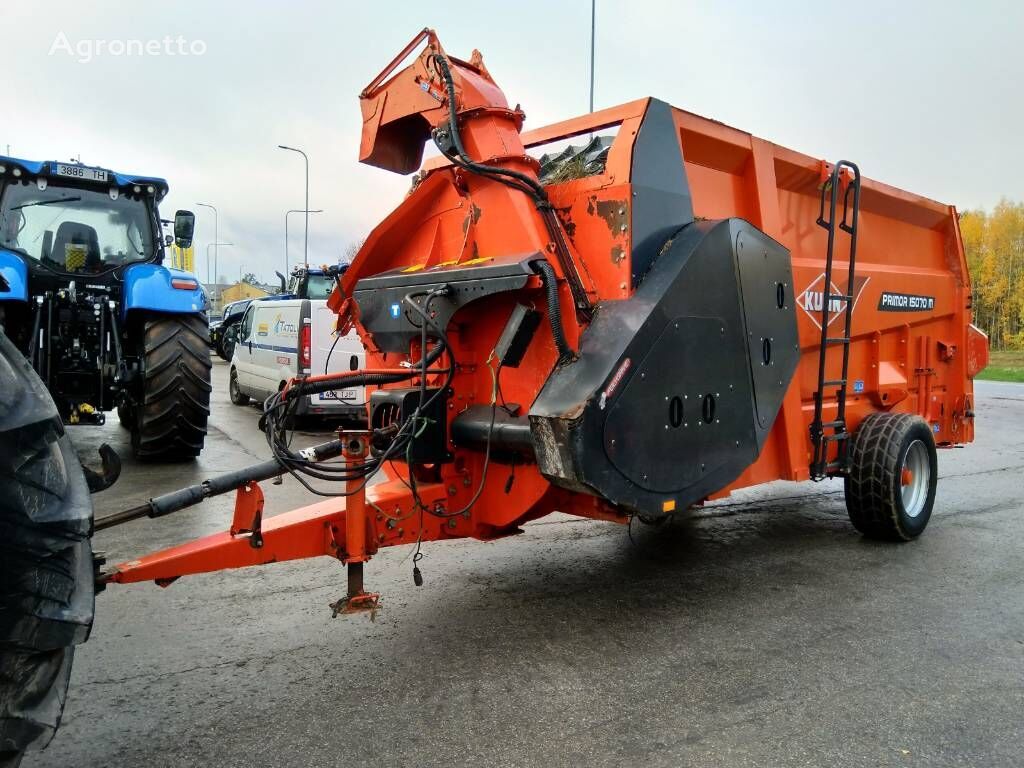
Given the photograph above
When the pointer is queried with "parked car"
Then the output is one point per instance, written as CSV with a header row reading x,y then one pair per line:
x,y
222,337
214,321
279,339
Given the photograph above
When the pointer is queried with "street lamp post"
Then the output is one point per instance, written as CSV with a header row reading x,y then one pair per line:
x,y
307,211
294,210
208,246
216,239
593,26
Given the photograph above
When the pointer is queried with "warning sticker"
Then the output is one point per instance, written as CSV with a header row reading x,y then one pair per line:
x,y
905,302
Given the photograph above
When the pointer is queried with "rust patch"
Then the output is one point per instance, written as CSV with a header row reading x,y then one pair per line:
x,y
475,212
617,254
565,217
615,214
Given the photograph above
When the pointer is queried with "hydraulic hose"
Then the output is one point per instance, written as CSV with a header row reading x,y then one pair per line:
x,y
215,486
516,180
547,276
301,388
538,192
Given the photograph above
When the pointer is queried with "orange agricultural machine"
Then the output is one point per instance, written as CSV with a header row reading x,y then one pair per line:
x,y
627,313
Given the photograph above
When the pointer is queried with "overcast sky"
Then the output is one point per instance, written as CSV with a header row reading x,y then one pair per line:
x,y
923,95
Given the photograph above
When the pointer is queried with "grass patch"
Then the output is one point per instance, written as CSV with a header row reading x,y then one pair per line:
x,y
1004,365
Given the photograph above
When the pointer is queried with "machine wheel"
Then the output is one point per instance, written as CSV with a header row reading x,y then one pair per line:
x,y
170,423
226,347
126,416
238,397
890,489
46,564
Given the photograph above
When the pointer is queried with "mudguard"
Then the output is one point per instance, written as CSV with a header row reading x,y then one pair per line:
x,y
13,277
148,286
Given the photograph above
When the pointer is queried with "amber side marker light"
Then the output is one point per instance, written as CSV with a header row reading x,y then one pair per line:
x,y
183,284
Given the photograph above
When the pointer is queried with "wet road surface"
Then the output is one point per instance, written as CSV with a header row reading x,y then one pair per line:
x,y
762,631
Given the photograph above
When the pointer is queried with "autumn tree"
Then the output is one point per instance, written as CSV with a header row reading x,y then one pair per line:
x,y
994,244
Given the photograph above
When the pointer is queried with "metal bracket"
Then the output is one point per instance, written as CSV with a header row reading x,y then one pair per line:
x,y
248,516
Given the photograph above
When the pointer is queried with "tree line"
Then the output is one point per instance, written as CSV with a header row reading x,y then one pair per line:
x,y
994,244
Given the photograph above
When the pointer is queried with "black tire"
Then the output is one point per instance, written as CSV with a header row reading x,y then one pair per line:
x,y
46,566
126,416
226,348
890,490
170,423
237,396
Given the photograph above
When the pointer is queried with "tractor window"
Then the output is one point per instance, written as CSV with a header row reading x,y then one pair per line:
x,y
319,286
72,229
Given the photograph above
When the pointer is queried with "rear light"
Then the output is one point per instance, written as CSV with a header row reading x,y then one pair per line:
x,y
184,284
305,357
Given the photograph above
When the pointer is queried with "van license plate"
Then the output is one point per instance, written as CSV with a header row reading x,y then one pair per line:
x,y
342,394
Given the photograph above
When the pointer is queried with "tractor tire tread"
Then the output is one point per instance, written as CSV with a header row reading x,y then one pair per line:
x,y
172,417
47,593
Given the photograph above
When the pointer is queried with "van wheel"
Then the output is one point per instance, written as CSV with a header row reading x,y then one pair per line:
x,y
237,396
890,489
46,560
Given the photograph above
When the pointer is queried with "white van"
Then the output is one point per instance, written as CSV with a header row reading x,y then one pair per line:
x,y
279,339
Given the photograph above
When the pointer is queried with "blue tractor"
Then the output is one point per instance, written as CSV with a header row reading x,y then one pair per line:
x,y
85,297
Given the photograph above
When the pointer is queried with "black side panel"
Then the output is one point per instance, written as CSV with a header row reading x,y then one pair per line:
x,y
662,204
767,290
381,298
671,397
672,409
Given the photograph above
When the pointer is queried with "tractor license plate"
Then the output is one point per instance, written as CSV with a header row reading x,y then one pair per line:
x,y
344,395
81,172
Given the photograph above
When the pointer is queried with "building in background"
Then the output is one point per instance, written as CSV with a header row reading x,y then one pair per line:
x,y
240,291
221,294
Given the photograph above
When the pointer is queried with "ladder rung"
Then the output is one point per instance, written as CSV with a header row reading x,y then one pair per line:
x,y
834,383
833,424
834,465
840,297
838,340
836,437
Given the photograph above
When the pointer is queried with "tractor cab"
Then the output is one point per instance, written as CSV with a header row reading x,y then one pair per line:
x,y
310,282
85,297
70,219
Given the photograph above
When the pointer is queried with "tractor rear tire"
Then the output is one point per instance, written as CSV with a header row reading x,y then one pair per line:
x,y
170,420
890,489
46,564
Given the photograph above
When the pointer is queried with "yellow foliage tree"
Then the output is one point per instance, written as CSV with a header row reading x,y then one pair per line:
x,y
994,243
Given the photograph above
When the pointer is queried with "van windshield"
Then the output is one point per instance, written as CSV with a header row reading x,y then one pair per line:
x,y
72,229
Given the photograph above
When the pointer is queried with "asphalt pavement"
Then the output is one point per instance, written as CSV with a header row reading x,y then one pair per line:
x,y
761,631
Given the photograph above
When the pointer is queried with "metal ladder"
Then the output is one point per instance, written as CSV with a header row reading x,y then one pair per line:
x,y
821,438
